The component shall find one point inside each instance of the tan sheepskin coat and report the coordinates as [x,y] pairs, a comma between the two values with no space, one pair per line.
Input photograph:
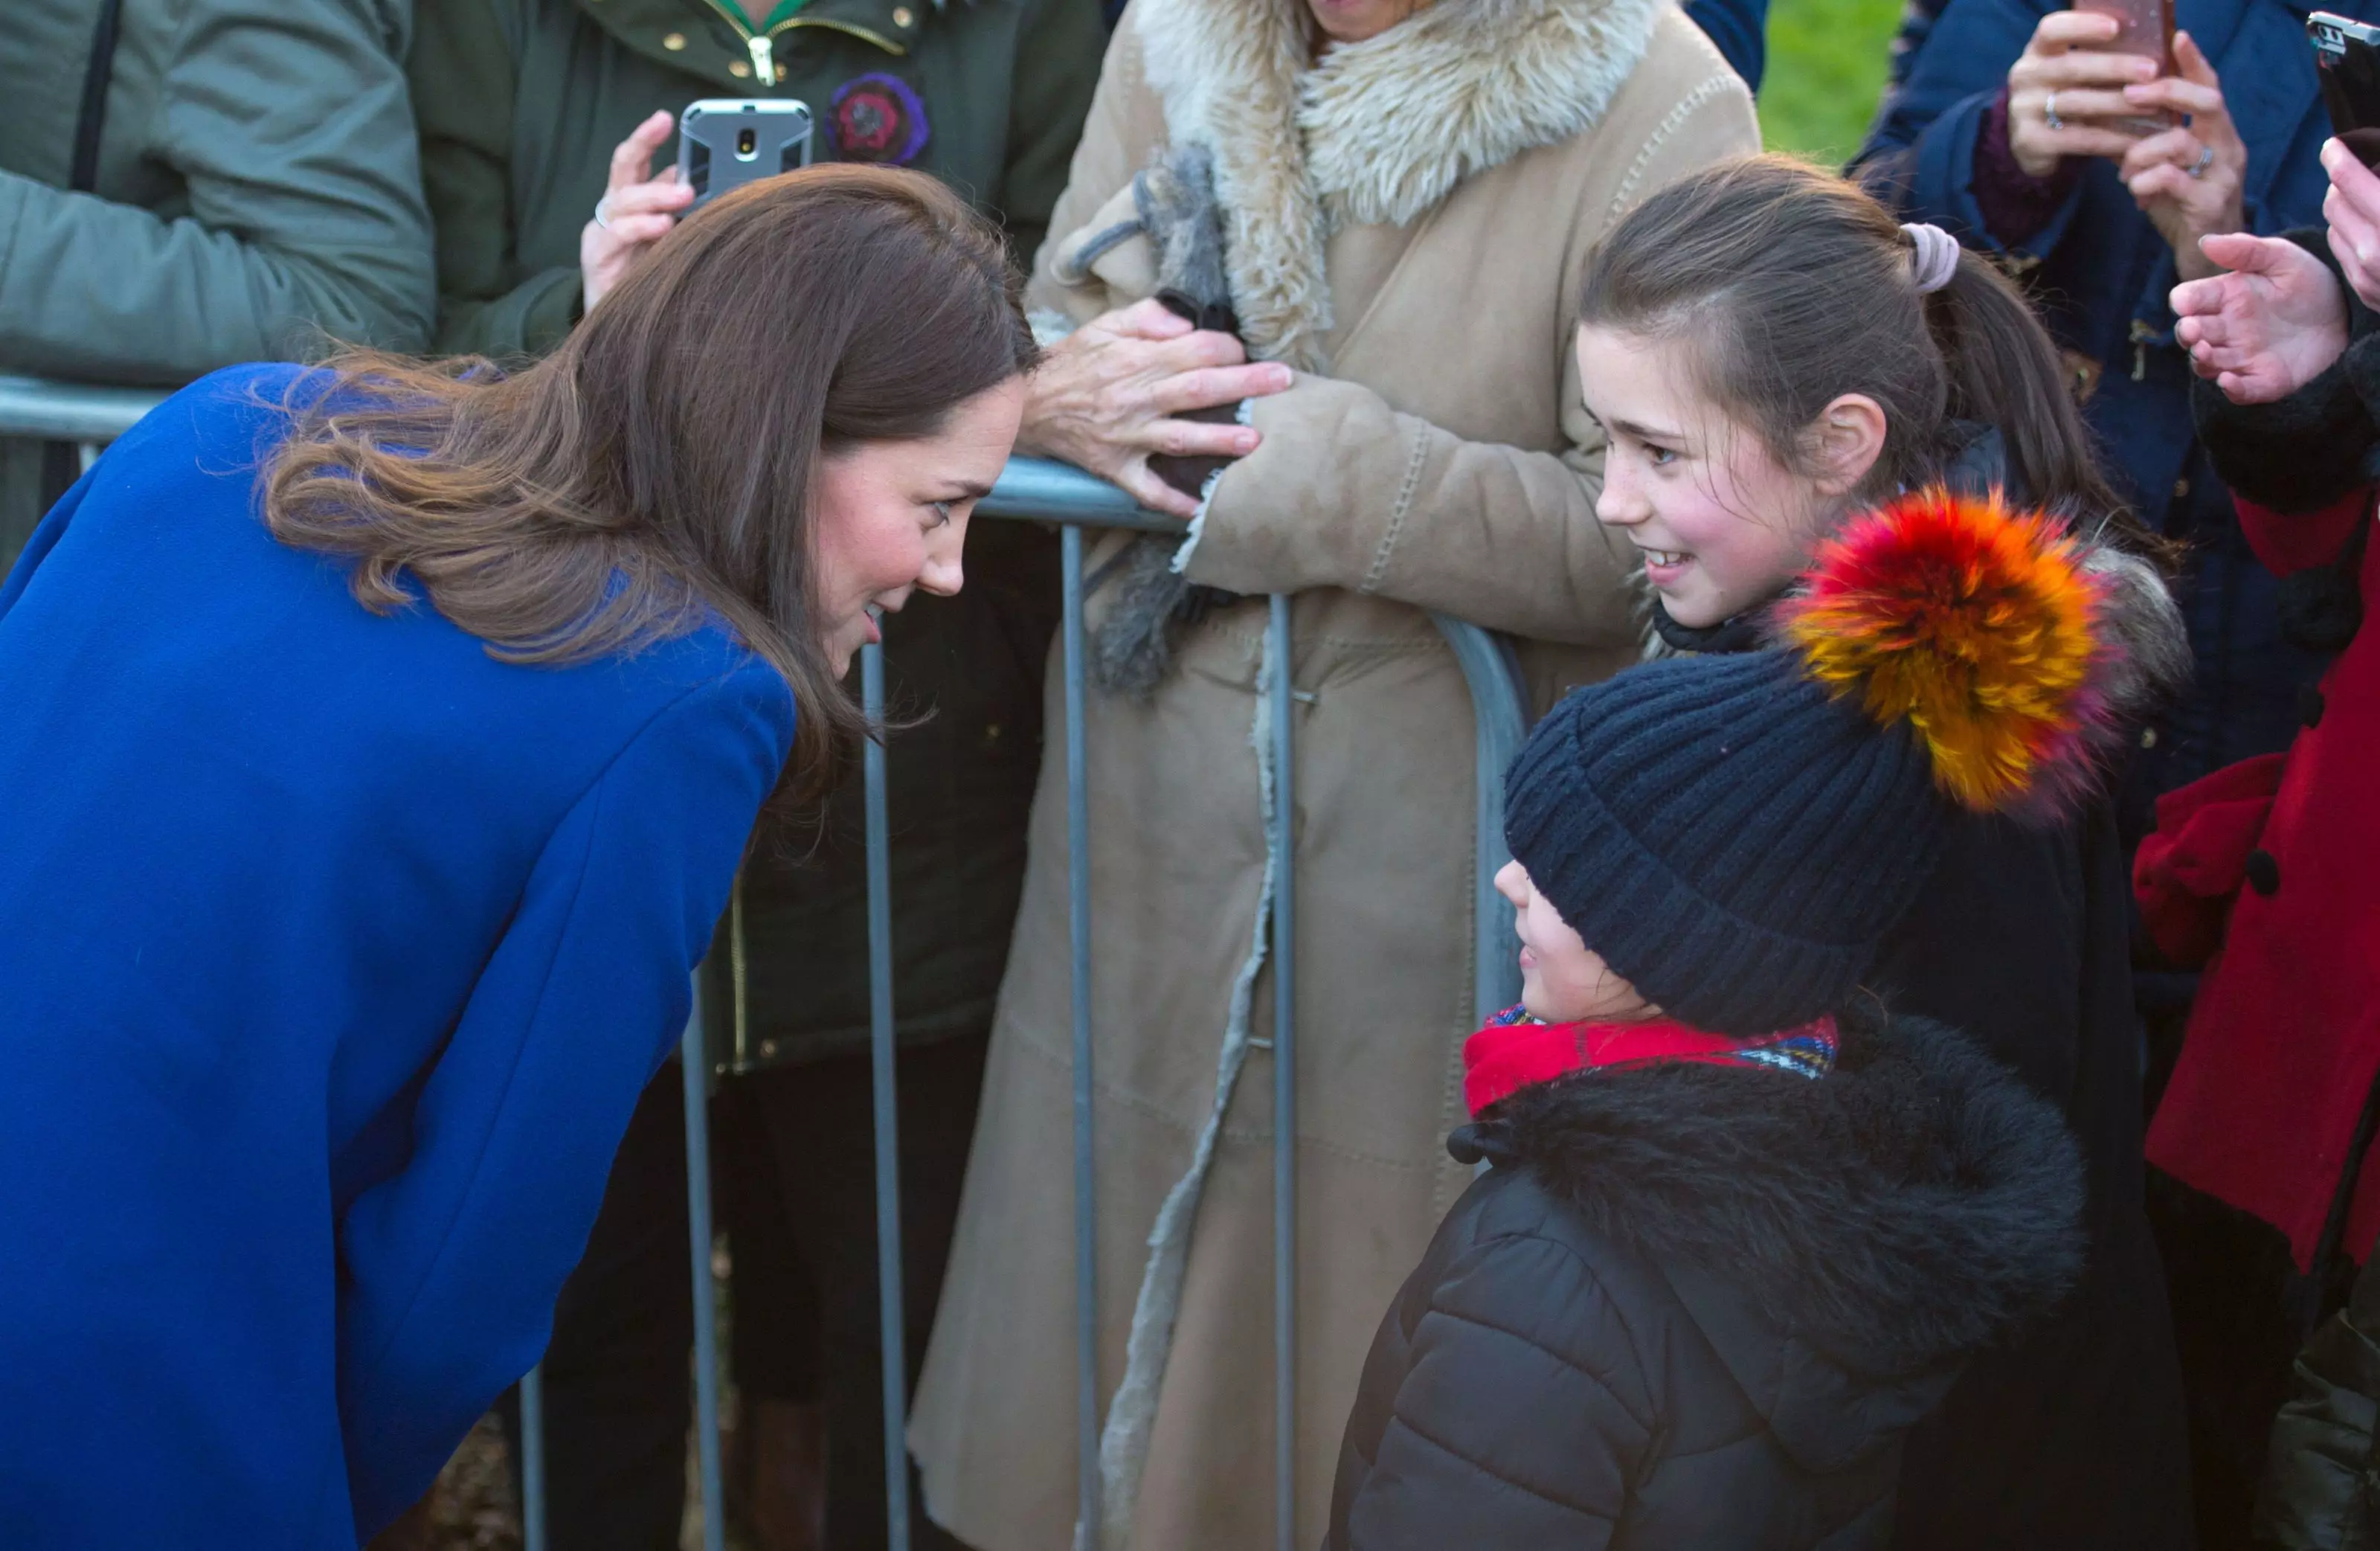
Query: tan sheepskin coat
[1406,224]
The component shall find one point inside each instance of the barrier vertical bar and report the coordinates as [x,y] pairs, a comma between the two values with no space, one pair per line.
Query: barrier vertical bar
[694,1062]
[1285,1082]
[533,1444]
[1078,927]
[1499,710]
[885,1095]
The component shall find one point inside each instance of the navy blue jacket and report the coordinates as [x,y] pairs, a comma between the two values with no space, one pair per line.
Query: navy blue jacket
[2101,274]
[1740,28]
[333,955]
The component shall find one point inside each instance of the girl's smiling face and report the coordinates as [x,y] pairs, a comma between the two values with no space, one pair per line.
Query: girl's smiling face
[1722,524]
[1562,980]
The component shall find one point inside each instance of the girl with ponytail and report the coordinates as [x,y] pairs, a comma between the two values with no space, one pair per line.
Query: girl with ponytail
[1774,356]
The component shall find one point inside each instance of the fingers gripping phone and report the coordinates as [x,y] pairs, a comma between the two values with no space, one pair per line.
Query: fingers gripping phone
[725,142]
[2145,28]
[2347,58]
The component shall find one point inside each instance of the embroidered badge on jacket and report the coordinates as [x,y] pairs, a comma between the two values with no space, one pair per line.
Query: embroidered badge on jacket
[877,117]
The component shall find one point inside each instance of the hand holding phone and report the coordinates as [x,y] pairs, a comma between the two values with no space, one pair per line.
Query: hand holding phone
[637,210]
[2143,29]
[2067,92]
[2190,178]
[2347,61]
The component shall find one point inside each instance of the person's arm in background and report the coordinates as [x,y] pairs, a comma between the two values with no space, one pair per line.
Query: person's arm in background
[462,70]
[1740,28]
[1058,54]
[290,128]
[1944,132]
[2320,1476]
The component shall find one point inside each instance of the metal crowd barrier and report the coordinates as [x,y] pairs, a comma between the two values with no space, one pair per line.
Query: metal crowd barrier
[1035,490]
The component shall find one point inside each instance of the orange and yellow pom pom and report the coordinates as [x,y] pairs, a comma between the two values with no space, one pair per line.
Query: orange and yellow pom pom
[1976,625]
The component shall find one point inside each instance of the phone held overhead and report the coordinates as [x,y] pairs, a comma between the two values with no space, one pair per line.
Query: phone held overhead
[724,142]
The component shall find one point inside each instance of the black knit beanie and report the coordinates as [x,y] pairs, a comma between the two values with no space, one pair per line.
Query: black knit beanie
[1735,834]
[1733,838]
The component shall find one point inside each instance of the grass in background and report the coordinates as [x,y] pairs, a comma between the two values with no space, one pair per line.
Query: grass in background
[1826,69]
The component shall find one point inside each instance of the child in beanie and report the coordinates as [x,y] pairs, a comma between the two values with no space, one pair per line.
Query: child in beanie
[1772,353]
[1741,1226]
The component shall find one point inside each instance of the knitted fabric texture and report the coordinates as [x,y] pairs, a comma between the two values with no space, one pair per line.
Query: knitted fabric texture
[1730,835]
[1735,834]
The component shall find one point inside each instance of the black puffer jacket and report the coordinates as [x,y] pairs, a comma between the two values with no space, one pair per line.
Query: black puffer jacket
[1699,1306]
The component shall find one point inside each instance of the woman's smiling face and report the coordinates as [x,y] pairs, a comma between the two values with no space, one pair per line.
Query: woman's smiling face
[1722,525]
[893,515]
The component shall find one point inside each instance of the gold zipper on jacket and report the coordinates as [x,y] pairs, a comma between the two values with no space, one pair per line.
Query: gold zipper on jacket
[762,44]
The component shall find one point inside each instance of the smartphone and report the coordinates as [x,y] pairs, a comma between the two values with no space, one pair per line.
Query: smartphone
[2145,28]
[724,142]
[2347,58]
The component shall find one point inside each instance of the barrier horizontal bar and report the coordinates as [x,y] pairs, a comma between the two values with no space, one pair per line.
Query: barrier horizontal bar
[1038,488]
[1048,490]
[71,411]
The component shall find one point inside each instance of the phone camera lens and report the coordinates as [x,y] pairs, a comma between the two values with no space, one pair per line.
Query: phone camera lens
[747,142]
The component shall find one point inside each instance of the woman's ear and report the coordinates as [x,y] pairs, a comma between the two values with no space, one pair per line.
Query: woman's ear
[1844,441]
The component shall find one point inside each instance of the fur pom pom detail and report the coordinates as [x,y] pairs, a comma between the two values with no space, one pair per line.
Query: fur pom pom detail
[1982,628]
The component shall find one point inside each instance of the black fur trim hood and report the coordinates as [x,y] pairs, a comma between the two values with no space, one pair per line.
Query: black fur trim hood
[1846,1242]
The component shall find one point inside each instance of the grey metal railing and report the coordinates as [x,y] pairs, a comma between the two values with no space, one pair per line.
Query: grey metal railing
[1037,490]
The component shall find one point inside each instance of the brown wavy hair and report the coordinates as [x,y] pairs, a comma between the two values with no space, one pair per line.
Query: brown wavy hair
[656,469]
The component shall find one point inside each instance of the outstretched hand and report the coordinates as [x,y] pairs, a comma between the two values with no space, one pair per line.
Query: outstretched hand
[2270,323]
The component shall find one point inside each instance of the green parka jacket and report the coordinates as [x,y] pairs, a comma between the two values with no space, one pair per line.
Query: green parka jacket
[2322,1479]
[257,189]
[521,103]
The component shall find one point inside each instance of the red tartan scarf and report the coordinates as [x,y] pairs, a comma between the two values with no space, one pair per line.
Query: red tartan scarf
[1515,1050]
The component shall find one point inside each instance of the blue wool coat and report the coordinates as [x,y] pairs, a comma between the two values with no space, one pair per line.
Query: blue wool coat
[333,955]
[2101,274]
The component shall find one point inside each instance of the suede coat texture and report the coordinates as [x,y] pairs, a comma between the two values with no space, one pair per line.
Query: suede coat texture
[1406,224]
[1701,1306]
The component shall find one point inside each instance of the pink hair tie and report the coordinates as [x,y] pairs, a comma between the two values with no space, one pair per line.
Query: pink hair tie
[1935,256]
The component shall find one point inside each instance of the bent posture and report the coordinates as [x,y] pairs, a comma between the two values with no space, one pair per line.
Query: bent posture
[381,744]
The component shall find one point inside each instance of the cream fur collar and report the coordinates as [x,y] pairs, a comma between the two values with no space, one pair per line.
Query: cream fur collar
[1376,132]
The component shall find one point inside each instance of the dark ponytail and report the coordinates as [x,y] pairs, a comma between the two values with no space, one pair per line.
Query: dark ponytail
[1796,288]
[2004,370]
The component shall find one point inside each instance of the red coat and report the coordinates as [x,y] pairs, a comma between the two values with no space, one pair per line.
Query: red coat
[2283,1043]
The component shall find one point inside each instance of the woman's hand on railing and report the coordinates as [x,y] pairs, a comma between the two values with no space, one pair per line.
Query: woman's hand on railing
[637,210]
[1106,398]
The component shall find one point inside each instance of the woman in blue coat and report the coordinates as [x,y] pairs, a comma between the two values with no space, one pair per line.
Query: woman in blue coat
[378,745]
